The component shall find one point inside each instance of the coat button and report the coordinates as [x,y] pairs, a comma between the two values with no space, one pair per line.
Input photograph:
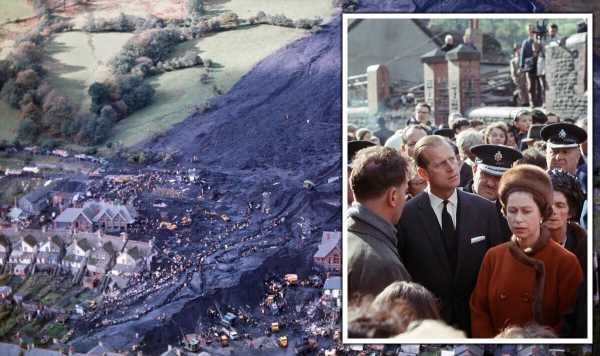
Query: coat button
[503,296]
[526,298]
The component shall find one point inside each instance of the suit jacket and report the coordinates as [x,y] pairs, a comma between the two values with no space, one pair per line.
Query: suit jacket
[505,232]
[422,250]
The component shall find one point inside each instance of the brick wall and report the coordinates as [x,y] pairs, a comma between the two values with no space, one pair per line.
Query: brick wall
[566,77]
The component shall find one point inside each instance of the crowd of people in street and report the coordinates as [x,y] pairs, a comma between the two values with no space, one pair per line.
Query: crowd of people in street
[475,229]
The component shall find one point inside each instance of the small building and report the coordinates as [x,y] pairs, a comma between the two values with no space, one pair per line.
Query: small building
[73,219]
[329,254]
[50,252]
[77,254]
[332,291]
[129,261]
[101,259]
[35,202]
[333,286]
[23,254]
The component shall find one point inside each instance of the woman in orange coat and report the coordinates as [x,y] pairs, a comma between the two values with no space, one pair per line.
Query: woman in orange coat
[530,278]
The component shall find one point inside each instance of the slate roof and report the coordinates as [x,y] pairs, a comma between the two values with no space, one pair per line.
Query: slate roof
[37,195]
[69,215]
[327,246]
[333,283]
[84,244]
[30,240]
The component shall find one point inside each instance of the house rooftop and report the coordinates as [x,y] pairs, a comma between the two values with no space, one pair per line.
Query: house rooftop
[328,245]
[333,283]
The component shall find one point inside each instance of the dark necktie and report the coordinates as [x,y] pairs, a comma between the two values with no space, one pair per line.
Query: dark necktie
[448,233]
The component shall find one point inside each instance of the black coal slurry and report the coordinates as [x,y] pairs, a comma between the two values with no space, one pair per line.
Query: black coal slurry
[238,254]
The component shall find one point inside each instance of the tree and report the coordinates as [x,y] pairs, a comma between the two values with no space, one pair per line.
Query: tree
[134,92]
[27,79]
[12,93]
[57,111]
[100,94]
[6,72]
[195,8]
[28,131]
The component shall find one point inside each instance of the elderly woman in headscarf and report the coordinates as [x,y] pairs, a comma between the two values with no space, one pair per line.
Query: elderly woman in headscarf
[530,278]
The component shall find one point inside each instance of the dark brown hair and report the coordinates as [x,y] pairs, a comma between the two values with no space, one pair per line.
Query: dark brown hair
[375,170]
[421,300]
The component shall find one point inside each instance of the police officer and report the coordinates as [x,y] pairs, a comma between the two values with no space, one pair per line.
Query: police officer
[491,161]
[562,146]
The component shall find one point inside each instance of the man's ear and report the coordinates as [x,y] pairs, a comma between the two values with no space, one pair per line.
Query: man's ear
[422,172]
[474,168]
[390,196]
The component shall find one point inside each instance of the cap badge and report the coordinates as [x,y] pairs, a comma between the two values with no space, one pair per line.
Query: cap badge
[562,134]
[498,156]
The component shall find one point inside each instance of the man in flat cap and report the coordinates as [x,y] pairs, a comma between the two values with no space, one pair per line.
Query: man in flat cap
[491,161]
[562,146]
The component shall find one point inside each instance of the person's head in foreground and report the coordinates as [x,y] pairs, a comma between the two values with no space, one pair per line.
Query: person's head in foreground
[379,181]
[529,331]
[392,310]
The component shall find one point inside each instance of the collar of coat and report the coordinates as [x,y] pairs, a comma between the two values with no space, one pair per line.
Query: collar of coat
[526,257]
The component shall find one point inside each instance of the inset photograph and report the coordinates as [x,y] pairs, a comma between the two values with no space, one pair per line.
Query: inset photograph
[468,184]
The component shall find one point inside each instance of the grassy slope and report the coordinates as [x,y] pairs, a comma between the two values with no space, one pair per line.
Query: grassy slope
[178,92]
[9,121]
[14,9]
[78,59]
[294,9]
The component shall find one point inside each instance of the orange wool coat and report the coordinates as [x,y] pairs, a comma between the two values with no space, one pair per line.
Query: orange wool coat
[515,288]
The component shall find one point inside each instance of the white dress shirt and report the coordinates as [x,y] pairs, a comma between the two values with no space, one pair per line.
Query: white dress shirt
[437,204]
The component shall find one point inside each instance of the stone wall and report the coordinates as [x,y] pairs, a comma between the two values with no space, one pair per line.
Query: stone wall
[566,77]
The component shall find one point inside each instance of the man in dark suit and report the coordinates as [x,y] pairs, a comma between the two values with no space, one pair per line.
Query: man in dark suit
[444,232]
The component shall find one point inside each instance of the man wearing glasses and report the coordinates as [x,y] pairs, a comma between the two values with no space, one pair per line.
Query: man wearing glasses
[422,117]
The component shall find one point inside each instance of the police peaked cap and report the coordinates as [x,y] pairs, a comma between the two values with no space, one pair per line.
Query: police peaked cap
[495,159]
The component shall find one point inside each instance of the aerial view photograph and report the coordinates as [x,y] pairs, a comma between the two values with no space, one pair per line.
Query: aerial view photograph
[172,177]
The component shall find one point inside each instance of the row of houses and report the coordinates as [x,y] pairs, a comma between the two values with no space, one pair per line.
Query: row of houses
[96,215]
[90,255]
